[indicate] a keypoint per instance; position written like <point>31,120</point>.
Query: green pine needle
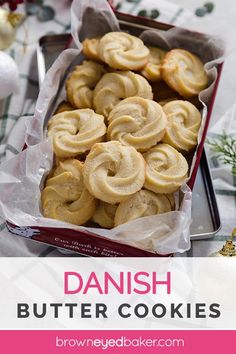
<point>225,147</point>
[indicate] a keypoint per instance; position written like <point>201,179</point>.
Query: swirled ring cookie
<point>166,170</point>
<point>104,215</point>
<point>90,48</point>
<point>112,172</point>
<point>152,70</point>
<point>113,87</point>
<point>184,72</point>
<point>65,196</point>
<point>81,83</point>
<point>123,51</point>
<point>183,123</point>
<point>75,132</point>
<point>138,122</point>
<point>143,203</point>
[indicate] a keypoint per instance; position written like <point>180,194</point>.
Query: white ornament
<point>9,75</point>
<point>8,24</point>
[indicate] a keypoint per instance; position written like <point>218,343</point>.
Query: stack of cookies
<point>120,154</point>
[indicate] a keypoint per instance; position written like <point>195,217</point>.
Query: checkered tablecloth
<point>16,108</point>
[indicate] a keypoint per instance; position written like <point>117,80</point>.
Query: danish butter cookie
<point>152,70</point>
<point>90,48</point>
<point>143,203</point>
<point>123,51</point>
<point>65,196</point>
<point>183,123</point>
<point>184,72</point>
<point>81,82</point>
<point>75,132</point>
<point>166,169</point>
<point>104,215</point>
<point>138,122</point>
<point>112,172</point>
<point>113,87</point>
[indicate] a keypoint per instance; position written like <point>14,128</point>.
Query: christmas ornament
<point>229,249</point>
<point>9,21</point>
<point>11,3</point>
<point>9,75</point>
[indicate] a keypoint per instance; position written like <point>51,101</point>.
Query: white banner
<point>105,293</point>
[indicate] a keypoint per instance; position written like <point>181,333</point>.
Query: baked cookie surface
<point>138,122</point>
<point>143,203</point>
<point>112,172</point>
<point>81,83</point>
<point>184,72</point>
<point>65,196</point>
<point>75,132</point>
<point>114,87</point>
<point>166,170</point>
<point>183,123</point>
<point>123,51</point>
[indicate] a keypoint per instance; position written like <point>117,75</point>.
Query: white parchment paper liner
<point>22,178</point>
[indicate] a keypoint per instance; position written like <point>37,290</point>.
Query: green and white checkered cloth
<point>22,104</point>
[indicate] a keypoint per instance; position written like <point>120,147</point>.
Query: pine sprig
<point>225,147</point>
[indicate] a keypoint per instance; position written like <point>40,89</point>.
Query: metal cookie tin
<point>86,243</point>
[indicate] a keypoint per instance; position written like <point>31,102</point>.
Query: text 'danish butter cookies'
<point>81,83</point>
<point>65,196</point>
<point>114,87</point>
<point>104,214</point>
<point>166,169</point>
<point>90,48</point>
<point>123,51</point>
<point>152,70</point>
<point>112,172</point>
<point>75,132</point>
<point>184,72</point>
<point>143,203</point>
<point>183,123</point>
<point>138,122</point>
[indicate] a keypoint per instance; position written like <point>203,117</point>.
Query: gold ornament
<point>9,22</point>
<point>229,249</point>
